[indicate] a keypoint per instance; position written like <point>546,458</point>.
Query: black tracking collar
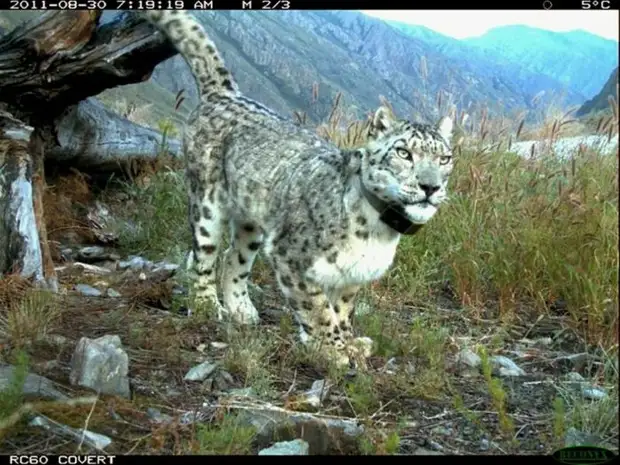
<point>391,214</point>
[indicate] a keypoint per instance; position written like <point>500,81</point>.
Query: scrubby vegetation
<point>522,262</point>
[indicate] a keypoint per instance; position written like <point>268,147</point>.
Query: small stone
<point>142,276</point>
<point>316,394</point>
<point>391,366</point>
<point>543,342</point>
<point>243,392</point>
<point>164,266</point>
<point>469,357</point>
<point>112,293</point>
<point>200,372</point>
<point>93,254</point>
<point>574,377</point>
<point>575,362</point>
<point>87,290</point>
<point>423,451</point>
<point>102,365</point>
<point>594,393</point>
<point>484,444</point>
<point>506,366</point>
<point>219,345</point>
<point>440,430</point>
<point>135,263</point>
<point>435,445</point>
<point>157,417</point>
<point>34,385</point>
<point>296,447</point>
<point>223,380</point>
<point>57,339</point>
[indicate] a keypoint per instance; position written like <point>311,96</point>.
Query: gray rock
<point>157,417</point>
<point>316,394</point>
<point>443,431</point>
<point>574,362</point>
<point>34,385</point>
<point>469,357</point>
<point>243,392</point>
<point>506,366</point>
<point>80,436</point>
<point>102,365</point>
<point>296,447</point>
<point>574,377</point>
<point>165,266</point>
<point>135,263</point>
<point>322,435</point>
<point>435,445</point>
<point>593,393</point>
<point>423,451</point>
<point>200,372</point>
<point>87,290</point>
<point>112,293</point>
<point>484,444</point>
<point>95,254</point>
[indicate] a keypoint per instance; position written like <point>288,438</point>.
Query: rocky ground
<point>122,362</point>
<point>567,146</point>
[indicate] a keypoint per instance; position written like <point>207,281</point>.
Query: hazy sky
<point>470,23</point>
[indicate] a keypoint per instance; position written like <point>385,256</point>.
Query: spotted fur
<point>285,190</point>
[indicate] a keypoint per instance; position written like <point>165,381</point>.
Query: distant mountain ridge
<point>601,100</point>
<point>485,63</point>
<point>278,56</point>
<point>578,59</point>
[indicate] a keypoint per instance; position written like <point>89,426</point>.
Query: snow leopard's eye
<point>444,160</point>
<point>404,154</point>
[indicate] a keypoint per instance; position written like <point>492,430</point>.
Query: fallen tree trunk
<point>91,137</point>
<point>20,251</point>
<point>47,67</point>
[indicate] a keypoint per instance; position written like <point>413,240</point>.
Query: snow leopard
<point>328,220</point>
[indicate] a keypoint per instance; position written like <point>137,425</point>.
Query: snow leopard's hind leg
<point>207,219</point>
<point>246,240</point>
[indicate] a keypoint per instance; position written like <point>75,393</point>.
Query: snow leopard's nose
<point>429,189</point>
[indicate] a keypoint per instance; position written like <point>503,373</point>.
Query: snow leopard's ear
<point>381,121</point>
<point>445,128</point>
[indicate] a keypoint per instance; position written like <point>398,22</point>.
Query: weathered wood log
<point>47,66</point>
<point>93,138</point>
<point>60,58</point>
<point>20,250</point>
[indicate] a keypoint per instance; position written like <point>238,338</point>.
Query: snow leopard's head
<point>407,164</point>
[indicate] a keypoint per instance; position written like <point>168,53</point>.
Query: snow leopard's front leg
<point>343,302</point>
<point>321,327</point>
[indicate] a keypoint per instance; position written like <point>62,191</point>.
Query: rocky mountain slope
<point>492,65</point>
<point>277,57</point>
<point>600,101</point>
<point>578,59</point>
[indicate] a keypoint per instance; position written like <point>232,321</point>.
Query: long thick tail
<point>192,42</point>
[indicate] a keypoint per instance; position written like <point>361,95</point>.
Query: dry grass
<point>521,244</point>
